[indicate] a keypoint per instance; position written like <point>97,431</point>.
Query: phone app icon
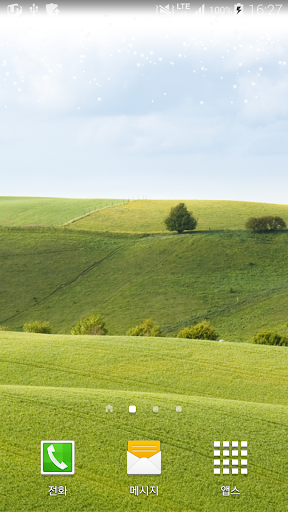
<point>57,457</point>
<point>144,458</point>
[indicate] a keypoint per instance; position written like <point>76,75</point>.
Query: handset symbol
<point>60,465</point>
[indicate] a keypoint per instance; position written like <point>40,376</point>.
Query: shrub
<point>202,331</point>
<point>92,324</point>
<point>3,328</point>
<point>266,223</point>
<point>147,328</point>
<point>42,327</point>
<point>270,338</point>
<point>179,219</point>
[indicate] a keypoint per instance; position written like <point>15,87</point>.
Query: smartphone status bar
<point>171,9</point>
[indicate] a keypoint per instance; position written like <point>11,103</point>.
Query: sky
<point>144,106</point>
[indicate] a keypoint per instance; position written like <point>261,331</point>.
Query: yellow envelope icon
<point>143,458</point>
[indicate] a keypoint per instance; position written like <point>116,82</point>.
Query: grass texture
<point>55,387</point>
<point>147,216</point>
<point>237,280</point>
<point>21,211</point>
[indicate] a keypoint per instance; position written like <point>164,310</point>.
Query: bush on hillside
<point>40,327</point>
<point>266,223</point>
<point>180,219</point>
<point>147,328</point>
<point>202,331</point>
<point>3,328</point>
<point>92,324</point>
<point>270,338</point>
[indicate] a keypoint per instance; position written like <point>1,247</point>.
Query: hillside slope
<point>57,387</point>
<point>47,211</point>
<point>147,216</point>
<point>237,280</point>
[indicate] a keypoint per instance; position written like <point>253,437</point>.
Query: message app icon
<point>143,458</point>
<point>57,457</point>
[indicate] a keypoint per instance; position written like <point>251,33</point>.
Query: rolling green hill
<point>19,211</point>
<point>237,280</point>
<point>56,388</point>
<point>137,216</point>
<point>147,216</point>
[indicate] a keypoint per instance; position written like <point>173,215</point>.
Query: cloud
<point>150,120</point>
<point>151,134</point>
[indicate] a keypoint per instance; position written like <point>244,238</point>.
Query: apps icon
<point>231,456</point>
<point>57,457</point>
<point>143,458</point>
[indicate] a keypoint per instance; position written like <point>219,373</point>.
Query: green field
<point>147,216</point>
<point>137,216</point>
<point>47,211</point>
<point>119,262</point>
<point>62,275</point>
<point>56,388</point>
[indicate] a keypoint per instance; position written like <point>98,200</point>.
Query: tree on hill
<point>266,223</point>
<point>180,219</point>
<point>92,324</point>
<point>147,328</point>
<point>202,331</point>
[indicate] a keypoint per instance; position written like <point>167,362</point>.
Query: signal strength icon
<point>164,10</point>
<point>200,11</point>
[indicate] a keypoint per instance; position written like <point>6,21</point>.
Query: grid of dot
<point>234,457</point>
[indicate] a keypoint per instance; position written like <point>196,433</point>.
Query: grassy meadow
<point>119,261</point>
<point>147,216</point>
<point>47,211</point>
<point>238,280</point>
<point>56,387</point>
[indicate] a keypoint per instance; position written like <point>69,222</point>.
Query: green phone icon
<point>57,457</point>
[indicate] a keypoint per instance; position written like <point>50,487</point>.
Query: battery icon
<point>238,9</point>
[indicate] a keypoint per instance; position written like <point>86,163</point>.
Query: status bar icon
<point>164,10</point>
<point>33,9</point>
<point>238,9</point>
<point>14,10</point>
<point>52,9</point>
<point>200,11</point>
